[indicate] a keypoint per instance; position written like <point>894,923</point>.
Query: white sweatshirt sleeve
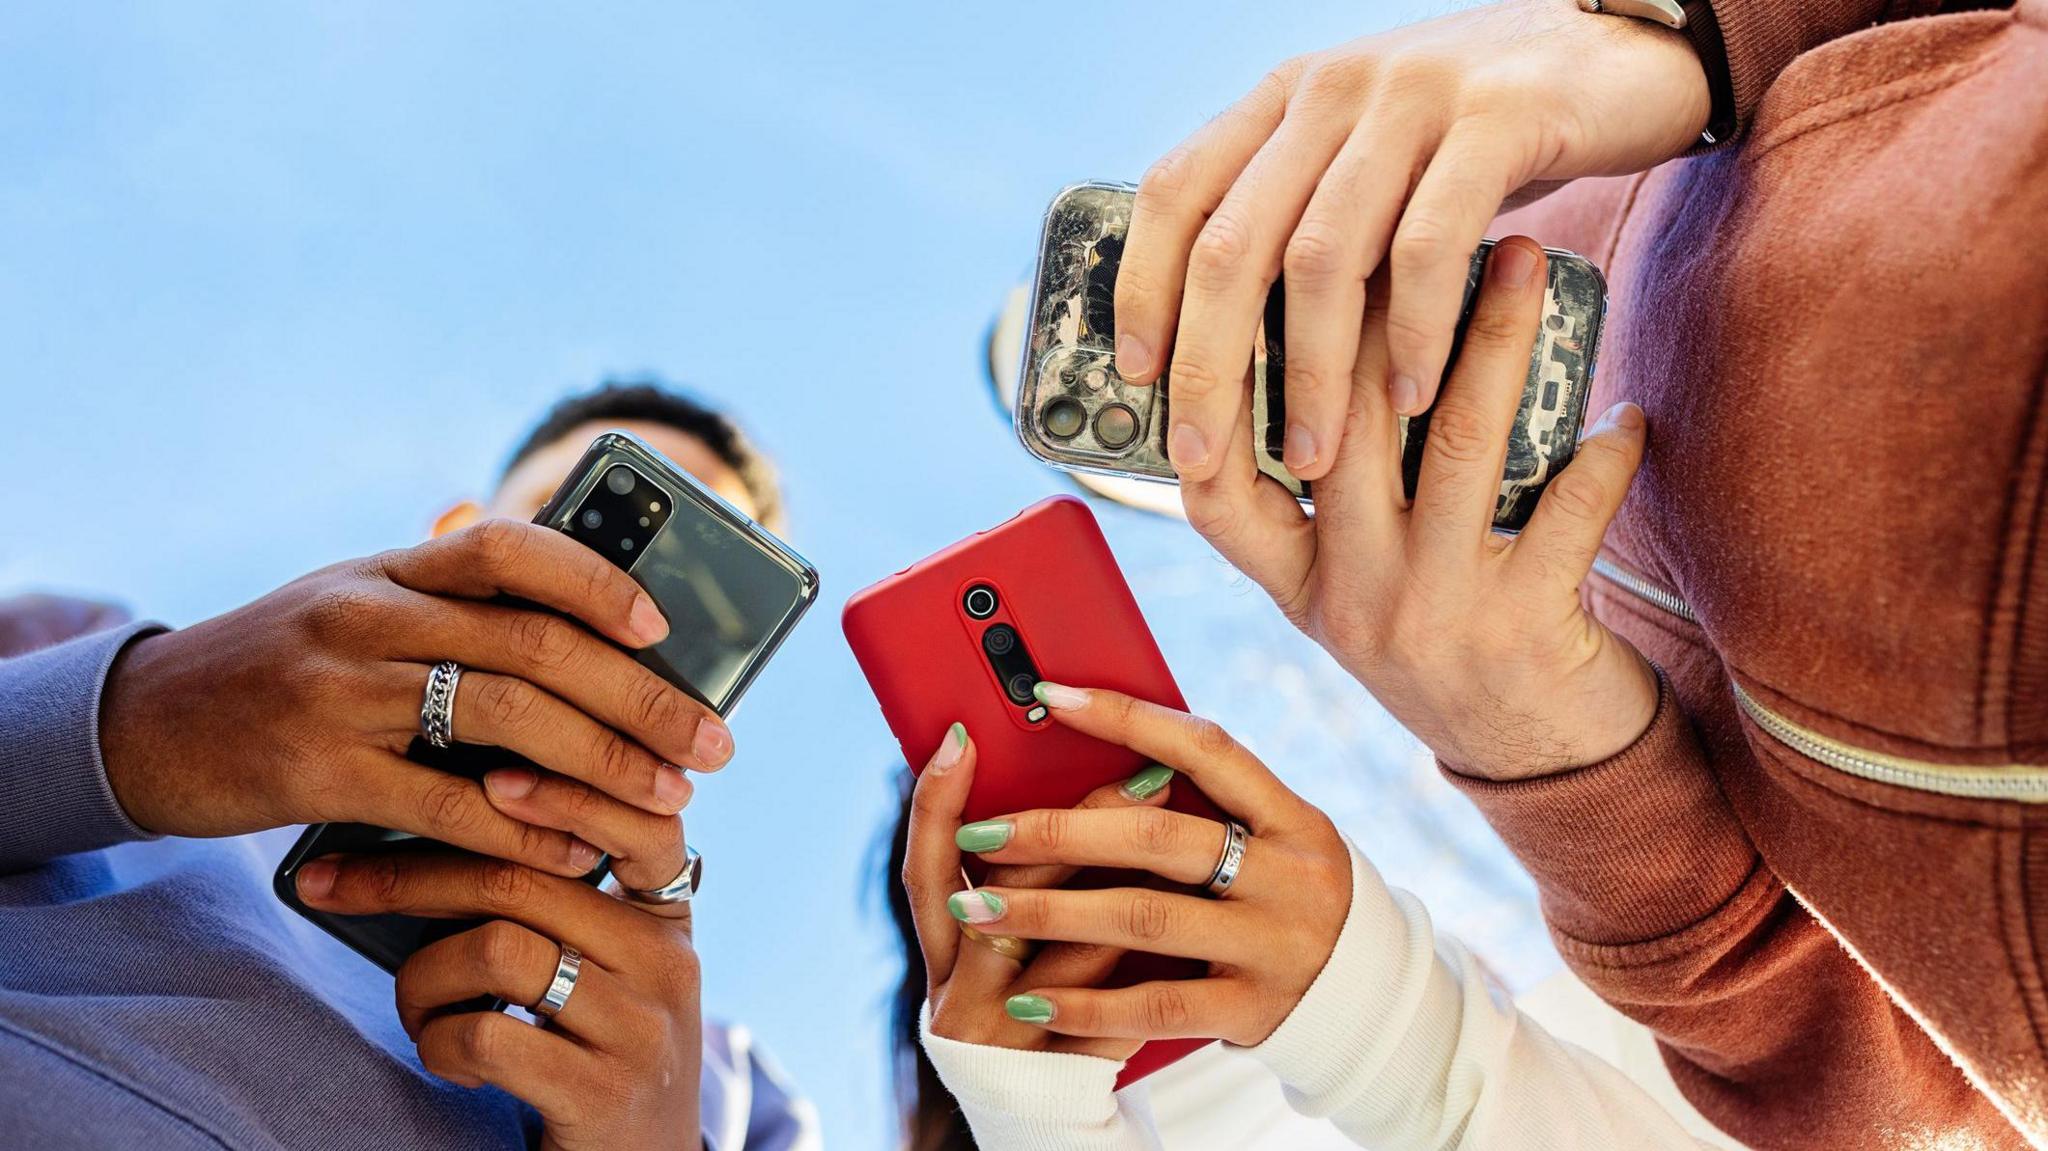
<point>1402,1041</point>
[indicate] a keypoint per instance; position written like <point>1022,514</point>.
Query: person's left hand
<point>1265,939</point>
<point>617,1067</point>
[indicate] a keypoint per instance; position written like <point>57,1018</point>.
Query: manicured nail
<point>988,835</point>
<point>1186,448</point>
<point>1623,415</point>
<point>1029,1009</point>
<point>1301,447</point>
<point>713,744</point>
<point>316,879</point>
<point>671,786</point>
<point>582,856</point>
<point>951,748</point>
<point>647,622</point>
<point>1133,358</point>
<point>1510,265</point>
<point>1059,696</point>
<point>975,906</point>
<point>1147,783</point>
<point>1404,393</point>
<point>510,783</point>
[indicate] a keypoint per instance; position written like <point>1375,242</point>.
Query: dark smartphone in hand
<point>732,593</point>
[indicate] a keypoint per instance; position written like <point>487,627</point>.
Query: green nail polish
<point>1147,783</point>
<point>959,733</point>
<point>975,906</point>
<point>1029,1009</point>
<point>988,835</point>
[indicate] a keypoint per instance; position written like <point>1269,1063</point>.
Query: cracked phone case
<point>1075,412</point>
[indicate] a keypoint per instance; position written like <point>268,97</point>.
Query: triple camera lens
<point>620,515</point>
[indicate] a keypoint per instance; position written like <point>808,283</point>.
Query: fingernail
<point>951,748</point>
<point>510,783</point>
<point>316,879</point>
<point>1029,1009</point>
<point>647,622</point>
<point>582,856</point>
<point>1059,696</point>
<point>1147,783</point>
<point>1510,265</point>
<point>1187,449</point>
<point>1301,447</point>
<point>671,786</point>
<point>1623,415</point>
<point>988,835</point>
<point>1133,358</point>
<point>713,744</point>
<point>975,906</point>
<point>1404,393</point>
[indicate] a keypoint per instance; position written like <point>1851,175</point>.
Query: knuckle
<point>658,707</point>
<point>1208,737</point>
<point>378,878</point>
<point>1166,1009</point>
<point>501,949</point>
<point>1315,254</point>
<point>496,545</point>
<point>1154,831</point>
<point>581,805</point>
<point>1220,251</point>
<point>1168,179</point>
<point>1421,240</point>
<point>544,641</point>
<point>1213,518</point>
<point>615,759</point>
<point>505,886</point>
<point>508,704</point>
<point>1055,830</point>
<point>1499,327</point>
<point>1576,496</point>
<point>450,806</point>
<point>339,615</point>
<point>477,1042</point>
<point>1459,432</point>
<point>1146,917</point>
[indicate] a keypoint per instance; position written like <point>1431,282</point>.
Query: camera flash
<point>1035,714</point>
<point>654,505</point>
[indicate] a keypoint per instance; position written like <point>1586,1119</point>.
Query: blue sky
<point>279,282</point>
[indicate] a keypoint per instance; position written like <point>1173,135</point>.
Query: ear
<point>458,517</point>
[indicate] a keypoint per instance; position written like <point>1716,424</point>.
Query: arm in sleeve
<point>1761,37</point>
<point>1038,1100</point>
<point>1404,1042</point>
<point>54,795</point>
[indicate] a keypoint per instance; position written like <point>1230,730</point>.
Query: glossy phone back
<point>1060,588</point>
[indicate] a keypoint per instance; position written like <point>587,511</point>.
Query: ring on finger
<point>437,706</point>
<point>556,997</point>
<point>1231,861</point>
<point>1008,946</point>
<point>672,899</point>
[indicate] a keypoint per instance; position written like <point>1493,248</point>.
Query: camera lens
<point>592,518</point>
<point>620,480</point>
<point>1116,426</point>
<point>1020,686</point>
<point>980,601</point>
<point>1063,417</point>
<point>1000,639</point>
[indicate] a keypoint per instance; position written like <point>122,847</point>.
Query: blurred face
<point>529,485</point>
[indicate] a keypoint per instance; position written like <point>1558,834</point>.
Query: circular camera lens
<point>627,543</point>
<point>1116,427</point>
<point>592,518</point>
<point>1020,686</point>
<point>1000,639</point>
<point>1063,417</point>
<point>620,480</point>
<point>980,601</point>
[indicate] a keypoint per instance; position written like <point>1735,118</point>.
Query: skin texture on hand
<point>617,1067</point>
<point>1392,152</point>
<point>1476,641</point>
<point>299,707</point>
<point>1264,941</point>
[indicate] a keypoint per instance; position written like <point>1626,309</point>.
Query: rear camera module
<point>1016,673</point>
<point>1063,417</point>
<point>621,516</point>
<point>592,518</point>
<point>621,480</point>
<point>1116,427</point>
<point>1019,687</point>
<point>980,601</point>
<point>1000,639</point>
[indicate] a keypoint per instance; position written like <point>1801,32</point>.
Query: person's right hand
<point>299,707</point>
<point>1394,150</point>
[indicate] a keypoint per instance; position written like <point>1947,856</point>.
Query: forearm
<point>1038,1100</point>
<point>1402,1042</point>
<point>54,796</point>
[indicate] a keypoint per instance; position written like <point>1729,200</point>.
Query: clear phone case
<point>1075,412</point>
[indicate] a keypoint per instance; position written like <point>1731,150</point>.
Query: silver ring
<point>437,709</point>
<point>1234,837</point>
<point>567,968</point>
<point>671,898</point>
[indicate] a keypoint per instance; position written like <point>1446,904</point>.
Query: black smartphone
<point>732,593</point>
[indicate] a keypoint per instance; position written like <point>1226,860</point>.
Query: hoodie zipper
<point>2019,782</point>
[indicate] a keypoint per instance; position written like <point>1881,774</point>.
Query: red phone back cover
<point>1060,587</point>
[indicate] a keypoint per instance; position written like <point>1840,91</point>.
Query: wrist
<point>131,742</point>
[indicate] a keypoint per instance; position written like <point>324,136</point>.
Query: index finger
<point>1149,787</point>
<point>505,557</point>
<point>1228,774</point>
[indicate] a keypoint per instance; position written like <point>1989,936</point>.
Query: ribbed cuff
<point>54,795</point>
<point>1031,1100</point>
<point>1629,849</point>
<point>1763,36</point>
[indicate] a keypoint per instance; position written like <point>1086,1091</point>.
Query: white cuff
<point>1032,1100</point>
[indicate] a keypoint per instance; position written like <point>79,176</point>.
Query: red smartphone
<point>965,634</point>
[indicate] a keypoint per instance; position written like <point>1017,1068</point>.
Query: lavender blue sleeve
<point>54,795</point>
